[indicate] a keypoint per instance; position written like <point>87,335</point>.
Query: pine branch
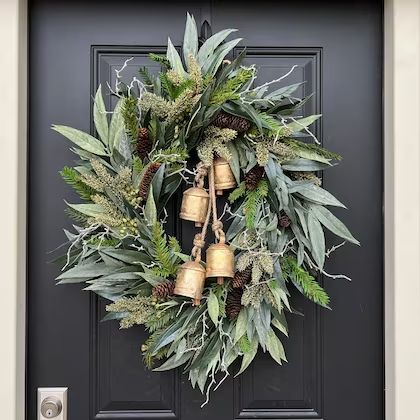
<point>161,59</point>
<point>73,178</point>
<point>146,76</point>
<point>238,192</point>
<point>304,282</point>
<point>296,146</point>
<point>131,117</point>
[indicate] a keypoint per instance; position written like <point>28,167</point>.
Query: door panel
<point>335,358</point>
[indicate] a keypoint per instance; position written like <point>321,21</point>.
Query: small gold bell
<point>190,281</point>
<point>195,202</point>
<point>223,176</point>
<point>220,262</point>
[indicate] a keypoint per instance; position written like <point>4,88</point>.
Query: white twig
<point>334,248</point>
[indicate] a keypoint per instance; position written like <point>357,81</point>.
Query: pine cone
<point>225,120</point>
<point>233,303</point>
<point>284,220</point>
<point>241,278</point>
<point>163,290</point>
<point>147,180</point>
<point>253,177</point>
<point>144,144</point>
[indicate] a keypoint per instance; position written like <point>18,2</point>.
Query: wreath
<point>249,141</point>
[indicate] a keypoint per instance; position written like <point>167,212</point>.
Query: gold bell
<point>220,262</point>
<point>195,202</point>
<point>190,281</point>
<point>223,176</point>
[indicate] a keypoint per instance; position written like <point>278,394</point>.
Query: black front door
<point>335,357</point>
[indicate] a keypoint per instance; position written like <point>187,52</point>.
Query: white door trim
<point>402,206</point>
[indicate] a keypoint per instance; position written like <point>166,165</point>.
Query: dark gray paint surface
<point>335,368</point>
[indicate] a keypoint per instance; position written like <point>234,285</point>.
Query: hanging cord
<point>199,238</point>
<point>217,225</point>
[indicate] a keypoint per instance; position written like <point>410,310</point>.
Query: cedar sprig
<point>304,281</point>
<point>148,356</point>
<point>238,192</point>
<point>146,76</point>
<point>73,178</point>
<point>76,216</point>
<point>172,90</point>
<point>163,250</point>
<point>130,113</point>
<point>296,146</point>
<point>161,319</point>
<point>161,59</point>
<point>252,201</point>
<point>228,91</point>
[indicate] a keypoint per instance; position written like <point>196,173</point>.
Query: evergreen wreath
<point>247,133</point>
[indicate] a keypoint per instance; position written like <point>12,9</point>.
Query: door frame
<point>401,129</point>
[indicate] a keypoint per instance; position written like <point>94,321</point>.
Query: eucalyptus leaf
<point>318,195</point>
<point>275,347</point>
<point>82,139</point>
<point>150,211</point>
<point>316,235</point>
<point>190,44</point>
<point>173,57</point>
<point>213,307</point>
<point>302,123</point>
<point>249,356</point>
<point>100,116</point>
<point>332,223</point>
<point>209,46</point>
<point>116,128</point>
<point>234,162</point>
<point>240,326</point>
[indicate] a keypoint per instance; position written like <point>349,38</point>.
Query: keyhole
<point>49,413</point>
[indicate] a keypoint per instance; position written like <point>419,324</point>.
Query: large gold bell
<point>195,202</point>
<point>220,262</point>
<point>223,176</point>
<point>190,281</point>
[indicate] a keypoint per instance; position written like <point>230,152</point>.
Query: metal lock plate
<point>52,403</point>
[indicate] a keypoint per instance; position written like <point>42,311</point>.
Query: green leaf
<point>316,236</point>
<point>249,356</point>
<point>87,271</point>
<point>275,348</point>
<point>207,49</point>
<point>128,256</point>
<point>116,128</point>
<point>100,116</point>
<point>241,324</point>
<point>318,195</point>
<point>300,124</point>
<point>234,162</point>
<point>304,165</point>
<point>82,139</point>
<point>173,362</point>
<point>213,307</point>
<point>91,210</point>
<point>190,44</point>
<point>174,58</point>
<point>220,54</point>
<point>150,211</point>
<point>332,223</point>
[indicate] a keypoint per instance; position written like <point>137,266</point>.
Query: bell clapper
<point>220,280</point>
<point>198,224</point>
<point>219,192</point>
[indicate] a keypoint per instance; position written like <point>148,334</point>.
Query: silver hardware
<point>51,407</point>
<point>52,403</point>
